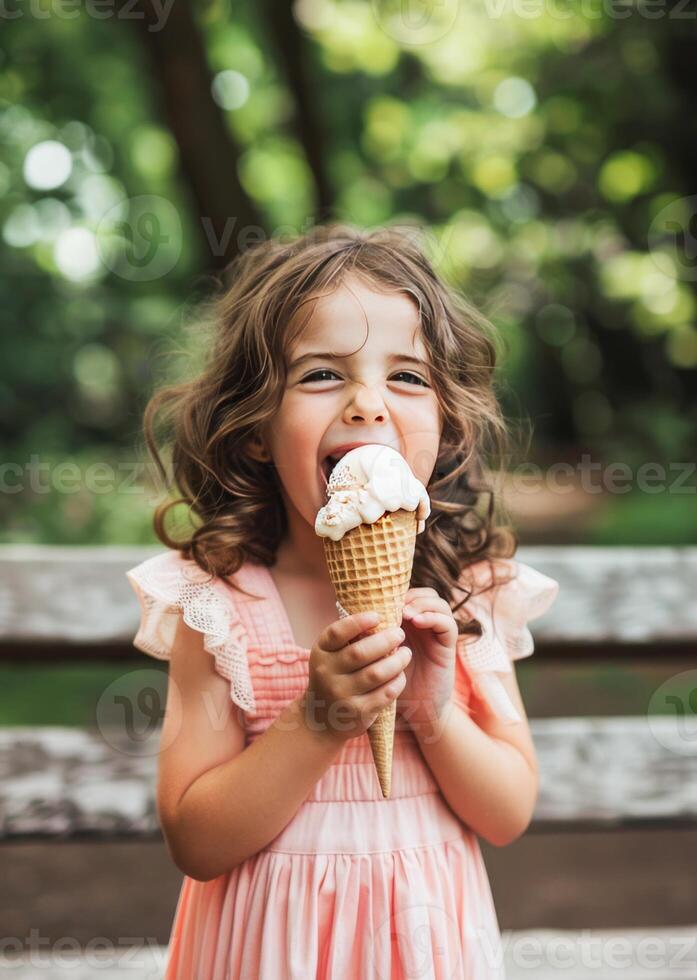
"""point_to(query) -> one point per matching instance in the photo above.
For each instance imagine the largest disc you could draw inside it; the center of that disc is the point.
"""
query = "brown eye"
(415, 377)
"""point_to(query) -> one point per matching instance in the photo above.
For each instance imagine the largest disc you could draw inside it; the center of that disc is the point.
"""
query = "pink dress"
(355, 886)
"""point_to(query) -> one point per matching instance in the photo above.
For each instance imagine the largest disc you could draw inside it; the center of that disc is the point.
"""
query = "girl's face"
(339, 396)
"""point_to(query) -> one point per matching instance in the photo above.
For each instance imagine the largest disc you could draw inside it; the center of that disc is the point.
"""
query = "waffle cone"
(370, 568)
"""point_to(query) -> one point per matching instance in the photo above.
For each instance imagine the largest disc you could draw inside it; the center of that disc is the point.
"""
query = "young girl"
(294, 865)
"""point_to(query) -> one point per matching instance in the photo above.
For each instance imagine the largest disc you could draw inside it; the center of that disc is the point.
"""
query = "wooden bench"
(632, 773)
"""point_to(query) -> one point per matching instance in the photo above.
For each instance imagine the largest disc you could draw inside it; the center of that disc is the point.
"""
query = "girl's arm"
(486, 770)
(219, 802)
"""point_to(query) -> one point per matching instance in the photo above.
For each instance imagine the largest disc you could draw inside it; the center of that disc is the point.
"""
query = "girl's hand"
(353, 676)
(431, 633)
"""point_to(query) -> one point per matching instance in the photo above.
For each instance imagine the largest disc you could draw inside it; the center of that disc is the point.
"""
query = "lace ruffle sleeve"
(169, 587)
(503, 612)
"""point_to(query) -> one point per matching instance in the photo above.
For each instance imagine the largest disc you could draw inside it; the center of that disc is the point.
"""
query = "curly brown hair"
(210, 419)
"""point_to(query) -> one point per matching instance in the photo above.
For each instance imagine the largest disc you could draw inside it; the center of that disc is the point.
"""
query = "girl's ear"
(256, 448)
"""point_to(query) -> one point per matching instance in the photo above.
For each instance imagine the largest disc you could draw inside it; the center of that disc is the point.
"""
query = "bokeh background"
(548, 151)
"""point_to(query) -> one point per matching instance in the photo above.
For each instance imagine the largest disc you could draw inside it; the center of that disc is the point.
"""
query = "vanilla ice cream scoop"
(364, 484)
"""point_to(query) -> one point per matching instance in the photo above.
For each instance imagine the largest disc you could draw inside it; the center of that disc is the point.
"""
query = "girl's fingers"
(381, 671)
(427, 616)
(343, 631)
(438, 622)
(425, 604)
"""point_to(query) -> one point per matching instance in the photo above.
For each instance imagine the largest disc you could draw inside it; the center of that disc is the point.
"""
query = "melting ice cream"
(364, 484)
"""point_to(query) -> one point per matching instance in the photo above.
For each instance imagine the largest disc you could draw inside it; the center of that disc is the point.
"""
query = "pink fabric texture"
(354, 885)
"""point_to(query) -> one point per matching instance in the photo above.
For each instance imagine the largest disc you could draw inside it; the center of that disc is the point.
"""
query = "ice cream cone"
(375, 508)
(370, 568)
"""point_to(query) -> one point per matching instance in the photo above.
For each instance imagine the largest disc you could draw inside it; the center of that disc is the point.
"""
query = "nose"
(366, 405)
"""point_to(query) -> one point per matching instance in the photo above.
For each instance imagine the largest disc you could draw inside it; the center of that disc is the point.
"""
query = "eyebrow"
(327, 355)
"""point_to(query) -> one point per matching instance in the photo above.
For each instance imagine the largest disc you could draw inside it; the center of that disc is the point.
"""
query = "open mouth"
(328, 464)
(331, 459)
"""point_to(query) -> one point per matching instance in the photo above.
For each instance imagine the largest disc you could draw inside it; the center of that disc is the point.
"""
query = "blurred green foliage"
(544, 156)
(69, 694)
(64, 694)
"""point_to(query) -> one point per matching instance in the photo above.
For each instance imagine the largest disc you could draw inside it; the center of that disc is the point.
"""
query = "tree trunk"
(294, 55)
(208, 153)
